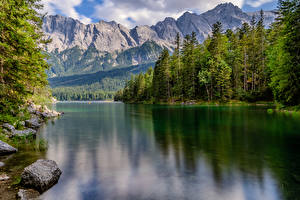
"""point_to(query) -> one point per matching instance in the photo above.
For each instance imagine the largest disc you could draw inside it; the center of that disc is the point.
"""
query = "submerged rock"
(29, 194)
(41, 175)
(6, 148)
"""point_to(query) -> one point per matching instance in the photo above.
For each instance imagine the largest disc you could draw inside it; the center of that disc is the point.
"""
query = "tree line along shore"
(249, 64)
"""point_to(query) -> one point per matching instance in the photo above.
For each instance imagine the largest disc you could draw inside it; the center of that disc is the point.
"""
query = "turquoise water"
(117, 151)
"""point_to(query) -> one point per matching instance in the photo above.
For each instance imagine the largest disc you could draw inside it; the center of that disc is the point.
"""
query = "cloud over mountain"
(136, 12)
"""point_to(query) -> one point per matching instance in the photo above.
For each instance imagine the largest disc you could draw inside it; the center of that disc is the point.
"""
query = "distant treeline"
(97, 86)
(250, 64)
(82, 93)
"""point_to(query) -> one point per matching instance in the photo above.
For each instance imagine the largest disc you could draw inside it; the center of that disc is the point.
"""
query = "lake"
(118, 151)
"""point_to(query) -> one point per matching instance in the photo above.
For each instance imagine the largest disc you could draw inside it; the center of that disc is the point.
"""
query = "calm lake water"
(117, 151)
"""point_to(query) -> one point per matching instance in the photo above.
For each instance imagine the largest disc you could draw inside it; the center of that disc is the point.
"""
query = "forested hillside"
(249, 64)
(95, 86)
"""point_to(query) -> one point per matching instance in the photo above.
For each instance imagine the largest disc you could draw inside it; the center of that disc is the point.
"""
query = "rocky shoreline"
(42, 174)
(38, 115)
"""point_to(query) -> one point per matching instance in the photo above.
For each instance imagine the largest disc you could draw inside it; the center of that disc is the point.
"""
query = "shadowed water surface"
(117, 151)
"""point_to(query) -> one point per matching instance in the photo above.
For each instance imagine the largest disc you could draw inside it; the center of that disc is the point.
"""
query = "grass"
(16, 181)
(27, 143)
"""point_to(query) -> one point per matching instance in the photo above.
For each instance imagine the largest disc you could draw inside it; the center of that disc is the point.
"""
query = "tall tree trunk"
(245, 70)
(211, 90)
(207, 91)
(263, 61)
(1, 72)
(252, 82)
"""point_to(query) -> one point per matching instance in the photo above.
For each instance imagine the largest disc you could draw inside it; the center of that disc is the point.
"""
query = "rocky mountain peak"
(108, 39)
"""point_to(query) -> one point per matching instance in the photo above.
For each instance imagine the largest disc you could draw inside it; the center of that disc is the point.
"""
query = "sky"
(141, 12)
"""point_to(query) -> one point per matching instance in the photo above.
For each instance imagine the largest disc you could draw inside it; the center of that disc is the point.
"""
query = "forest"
(82, 93)
(22, 62)
(252, 63)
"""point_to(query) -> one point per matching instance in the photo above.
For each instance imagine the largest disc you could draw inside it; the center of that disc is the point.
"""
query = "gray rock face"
(231, 17)
(67, 33)
(10, 131)
(33, 123)
(8, 127)
(41, 175)
(23, 133)
(28, 194)
(6, 148)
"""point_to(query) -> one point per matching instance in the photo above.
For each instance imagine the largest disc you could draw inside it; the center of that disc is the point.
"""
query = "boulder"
(3, 177)
(29, 194)
(32, 123)
(6, 148)
(1, 164)
(41, 175)
(8, 127)
(23, 133)
(33, 109)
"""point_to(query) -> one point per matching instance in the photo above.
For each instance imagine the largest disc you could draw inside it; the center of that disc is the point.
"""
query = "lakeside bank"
(21, 139)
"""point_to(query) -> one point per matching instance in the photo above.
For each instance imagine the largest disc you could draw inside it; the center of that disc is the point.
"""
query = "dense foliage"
(248, 64)
(22, 64)
(284, 54)
(82, 93)
(96, 86)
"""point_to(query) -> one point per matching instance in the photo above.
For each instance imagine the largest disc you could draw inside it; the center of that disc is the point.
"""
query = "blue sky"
(141, 12)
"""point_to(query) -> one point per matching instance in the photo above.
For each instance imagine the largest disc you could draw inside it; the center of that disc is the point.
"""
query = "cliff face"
(77, 48)
(67, 33)
(231, 17)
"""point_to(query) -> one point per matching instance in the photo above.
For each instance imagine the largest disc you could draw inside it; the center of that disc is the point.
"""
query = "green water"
(117, 151)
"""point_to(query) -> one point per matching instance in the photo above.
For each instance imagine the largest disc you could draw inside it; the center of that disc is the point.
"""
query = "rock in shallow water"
(6, 148)
(41, 175)
(28, 194)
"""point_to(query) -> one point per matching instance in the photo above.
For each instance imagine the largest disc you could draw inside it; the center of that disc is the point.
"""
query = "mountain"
(78, 49)
(231, 17)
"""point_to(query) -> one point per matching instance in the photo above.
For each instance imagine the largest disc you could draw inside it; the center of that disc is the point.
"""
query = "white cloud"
(139, 12)
(148, 12)
(257, 3)
(66, 7)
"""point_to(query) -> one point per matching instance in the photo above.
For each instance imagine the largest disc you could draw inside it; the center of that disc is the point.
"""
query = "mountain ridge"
(98, 46)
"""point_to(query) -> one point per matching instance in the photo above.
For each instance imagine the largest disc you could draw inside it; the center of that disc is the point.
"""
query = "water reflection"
(117, 151)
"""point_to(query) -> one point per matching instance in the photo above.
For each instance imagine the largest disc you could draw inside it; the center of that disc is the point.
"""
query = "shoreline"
(27, 142)
(207, 103)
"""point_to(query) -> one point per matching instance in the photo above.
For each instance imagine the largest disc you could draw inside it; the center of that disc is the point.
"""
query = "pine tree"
(244, 42)
(284, 56)
(161, 77)
(22, 63)
(175, 69)
(235, 60)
